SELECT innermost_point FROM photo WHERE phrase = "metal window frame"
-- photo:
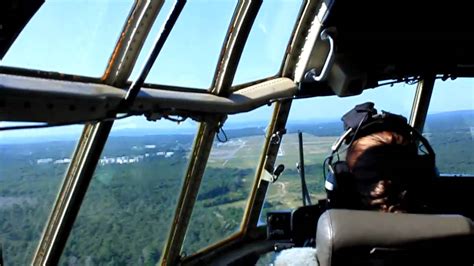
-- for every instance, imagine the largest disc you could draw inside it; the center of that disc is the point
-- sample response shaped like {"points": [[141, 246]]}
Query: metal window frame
{"points": [[279, 119], [420, 107], [236, 38], [249, 229], [289, 51], [421, 102], [201, 150], [94, 136], [239, 29]]}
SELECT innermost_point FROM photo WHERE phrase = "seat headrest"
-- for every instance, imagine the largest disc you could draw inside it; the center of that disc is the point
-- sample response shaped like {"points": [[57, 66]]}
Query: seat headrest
{"points": [[342, 231]]}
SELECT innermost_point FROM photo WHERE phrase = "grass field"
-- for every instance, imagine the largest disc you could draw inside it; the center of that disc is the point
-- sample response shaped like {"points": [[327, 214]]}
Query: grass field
{"points": [[245, 152]]}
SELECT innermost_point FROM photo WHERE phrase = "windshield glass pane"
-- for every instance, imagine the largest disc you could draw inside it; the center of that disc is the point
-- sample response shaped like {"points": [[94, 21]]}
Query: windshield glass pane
{"points": [[265, 48], [130, 203], [32, 166], [228, 180], [319, 119], [449, 126], [189, 56], [73, 37]]}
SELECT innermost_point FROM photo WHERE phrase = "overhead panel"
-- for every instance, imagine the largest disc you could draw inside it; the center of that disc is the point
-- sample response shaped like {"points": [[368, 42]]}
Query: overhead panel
{"points": [[361, 44], [314, 53]]}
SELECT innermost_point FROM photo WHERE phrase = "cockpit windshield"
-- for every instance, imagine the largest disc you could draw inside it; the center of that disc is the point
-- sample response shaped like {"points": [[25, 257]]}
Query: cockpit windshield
{"points": [[145, 132], [72, 37]]}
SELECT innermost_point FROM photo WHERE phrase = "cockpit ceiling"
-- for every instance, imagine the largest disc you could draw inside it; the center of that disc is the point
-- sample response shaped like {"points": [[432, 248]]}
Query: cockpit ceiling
{"points": [[396, 39], [387, 40]]}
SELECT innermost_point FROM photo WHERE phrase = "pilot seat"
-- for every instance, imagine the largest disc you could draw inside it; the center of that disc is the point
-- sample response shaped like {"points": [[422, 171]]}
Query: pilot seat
{"points": [[356, 237]]}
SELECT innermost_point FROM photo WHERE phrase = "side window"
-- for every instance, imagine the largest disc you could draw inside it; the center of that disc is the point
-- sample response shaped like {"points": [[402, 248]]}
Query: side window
{"points": [[319, 119], [228, 180], [130, 203], [33, 163], [449, 126]]}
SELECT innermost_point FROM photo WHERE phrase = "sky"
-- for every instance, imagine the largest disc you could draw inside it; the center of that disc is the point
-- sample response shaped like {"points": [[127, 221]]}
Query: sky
{"points": [[78, 36]]}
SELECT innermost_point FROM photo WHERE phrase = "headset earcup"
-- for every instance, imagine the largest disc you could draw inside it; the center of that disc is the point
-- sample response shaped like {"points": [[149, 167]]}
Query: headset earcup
{"points": [[343, 193], [420, 180], [426, 168], [331, 186]]}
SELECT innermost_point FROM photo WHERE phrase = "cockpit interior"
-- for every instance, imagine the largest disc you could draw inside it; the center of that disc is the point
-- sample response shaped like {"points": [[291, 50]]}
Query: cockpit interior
{"points": [[195, 132]]}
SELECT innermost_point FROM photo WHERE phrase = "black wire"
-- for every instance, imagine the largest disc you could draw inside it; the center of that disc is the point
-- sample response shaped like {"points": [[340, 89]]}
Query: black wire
{"points": [[337, 152], [135, 87], [224, 134], [411, 81], [307, 196], [355, 135], [421, 148]]}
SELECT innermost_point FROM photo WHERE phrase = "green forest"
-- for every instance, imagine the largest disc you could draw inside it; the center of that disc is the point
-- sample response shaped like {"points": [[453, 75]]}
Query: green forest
{"points": [[128, 208]]}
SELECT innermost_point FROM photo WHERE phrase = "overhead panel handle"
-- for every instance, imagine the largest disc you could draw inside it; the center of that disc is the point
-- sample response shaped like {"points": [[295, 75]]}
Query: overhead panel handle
{"points": [[311, 74], [314, 46]]}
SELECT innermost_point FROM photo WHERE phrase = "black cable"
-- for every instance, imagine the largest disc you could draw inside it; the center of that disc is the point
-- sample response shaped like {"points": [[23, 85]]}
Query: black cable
{"points": [[224, 134], [353, 136], [307, 196], [414, 80], [135, 87], [159, 43]]}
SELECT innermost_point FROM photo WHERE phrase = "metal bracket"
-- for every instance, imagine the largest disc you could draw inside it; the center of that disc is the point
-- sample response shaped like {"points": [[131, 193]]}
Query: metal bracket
{"points": [[276, 137]]}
